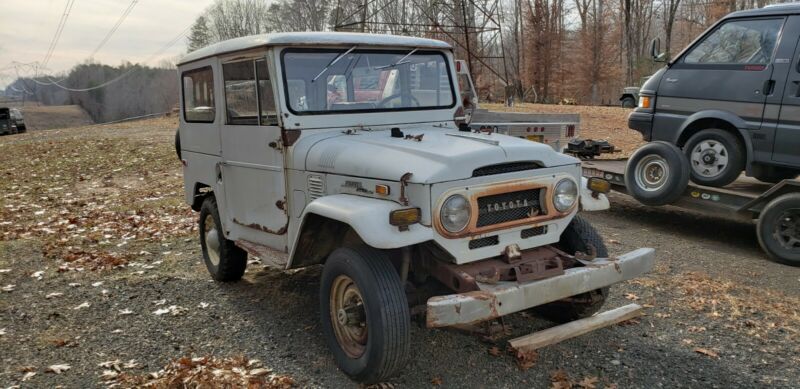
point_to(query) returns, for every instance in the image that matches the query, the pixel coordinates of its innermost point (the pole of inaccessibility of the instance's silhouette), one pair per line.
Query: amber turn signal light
(644, 101)
(404, 217)
(598, 185)
(382, 190)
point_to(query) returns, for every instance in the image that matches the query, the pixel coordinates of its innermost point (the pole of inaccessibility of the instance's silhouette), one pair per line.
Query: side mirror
(655, 50)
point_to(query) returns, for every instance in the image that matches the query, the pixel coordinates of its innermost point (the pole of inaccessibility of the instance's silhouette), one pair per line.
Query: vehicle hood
(441, 155)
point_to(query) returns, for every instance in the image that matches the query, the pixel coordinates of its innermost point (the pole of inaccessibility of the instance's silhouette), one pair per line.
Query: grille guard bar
(503, 298)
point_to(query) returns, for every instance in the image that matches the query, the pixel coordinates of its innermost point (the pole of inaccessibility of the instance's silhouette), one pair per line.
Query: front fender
(368, 217)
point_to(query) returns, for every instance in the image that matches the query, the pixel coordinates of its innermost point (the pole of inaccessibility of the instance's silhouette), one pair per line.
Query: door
(252, 171)
(787, 135)
(728, 70)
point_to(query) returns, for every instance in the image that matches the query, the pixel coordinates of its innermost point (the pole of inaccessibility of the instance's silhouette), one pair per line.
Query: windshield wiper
(400, 62)
(335, 60)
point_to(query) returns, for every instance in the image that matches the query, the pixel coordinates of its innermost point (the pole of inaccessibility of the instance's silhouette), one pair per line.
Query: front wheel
(579, 236)
(364, 313)
(779, 229)
(716, 157)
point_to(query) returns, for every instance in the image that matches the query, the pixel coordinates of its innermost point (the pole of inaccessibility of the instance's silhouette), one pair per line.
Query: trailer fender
(759, 203)
(592, 201)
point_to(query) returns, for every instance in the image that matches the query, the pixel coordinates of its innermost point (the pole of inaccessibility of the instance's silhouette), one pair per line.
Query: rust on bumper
(503, 298)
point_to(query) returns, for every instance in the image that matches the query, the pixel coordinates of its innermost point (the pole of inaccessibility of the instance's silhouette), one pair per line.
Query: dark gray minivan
(731, 99)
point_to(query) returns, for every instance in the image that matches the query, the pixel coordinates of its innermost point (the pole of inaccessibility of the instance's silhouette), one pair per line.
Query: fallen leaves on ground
(707, 352)
(559, 379)
(494, 351)
(525, 359)
(58, 369)
(436, 381)
(205, 372)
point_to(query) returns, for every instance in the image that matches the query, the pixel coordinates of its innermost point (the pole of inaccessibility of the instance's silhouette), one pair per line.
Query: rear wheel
(779, 229)
(364, 314)
(579, 236)
(716, 157)
(224, 260)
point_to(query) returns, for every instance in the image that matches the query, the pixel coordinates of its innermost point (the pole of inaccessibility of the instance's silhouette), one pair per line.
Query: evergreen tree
(200, 36)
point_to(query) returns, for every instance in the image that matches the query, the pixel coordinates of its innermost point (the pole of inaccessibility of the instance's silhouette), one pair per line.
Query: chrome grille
(316, 187)
(511, 206)
(505, 168)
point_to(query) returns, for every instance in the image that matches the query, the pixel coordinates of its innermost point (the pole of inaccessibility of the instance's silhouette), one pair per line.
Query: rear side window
(738, 42)
(198, 96)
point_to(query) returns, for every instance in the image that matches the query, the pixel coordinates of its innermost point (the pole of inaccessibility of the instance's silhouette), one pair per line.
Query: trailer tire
(224, 260)
(366, 288)
(778, 229)
(579, 236)
(657, 174)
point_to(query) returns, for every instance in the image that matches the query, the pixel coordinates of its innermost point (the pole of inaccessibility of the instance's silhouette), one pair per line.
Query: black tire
(731, 148)
(227, 262)
(778, 228)
(657, 174)
(628, 102)
(385, 314)
(577, 237)
(22, 129)
(774, 175)
(178, 143)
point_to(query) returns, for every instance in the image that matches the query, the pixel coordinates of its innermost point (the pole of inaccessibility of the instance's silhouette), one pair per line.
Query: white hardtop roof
(311, 39)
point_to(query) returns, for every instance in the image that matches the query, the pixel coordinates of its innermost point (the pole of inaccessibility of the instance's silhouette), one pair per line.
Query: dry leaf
(125, 311)
(85, 304)
(53, 294)
(560, 380)
(525, 359)
(2, 331)
(588, 383)
(706, 351)
(58, 369)
(436, 381)
(494, 351)
(5, 271)
(8, 288)
(631, 296)
(28, 376)
(260, 371)
(38, 275)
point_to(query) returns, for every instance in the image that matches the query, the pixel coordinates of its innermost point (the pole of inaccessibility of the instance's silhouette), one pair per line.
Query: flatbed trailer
(746, 199)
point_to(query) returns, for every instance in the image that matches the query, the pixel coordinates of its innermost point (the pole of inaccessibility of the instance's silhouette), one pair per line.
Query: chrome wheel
(652, 173)
(709, 158)
(348, 316)
(212, 240)
(787, 230)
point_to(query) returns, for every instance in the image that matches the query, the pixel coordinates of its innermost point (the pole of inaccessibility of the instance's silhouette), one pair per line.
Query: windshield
(327, 81)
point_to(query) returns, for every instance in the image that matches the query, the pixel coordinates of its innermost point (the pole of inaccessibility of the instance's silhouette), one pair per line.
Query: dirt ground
(101, 283)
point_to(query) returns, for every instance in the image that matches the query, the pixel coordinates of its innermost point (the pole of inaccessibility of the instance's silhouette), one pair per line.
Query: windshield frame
(398, 51)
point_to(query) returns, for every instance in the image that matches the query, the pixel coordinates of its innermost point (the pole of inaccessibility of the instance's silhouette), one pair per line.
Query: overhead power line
(60, 29)
(114, 29)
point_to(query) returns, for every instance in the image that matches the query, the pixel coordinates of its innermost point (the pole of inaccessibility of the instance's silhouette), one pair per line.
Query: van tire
(178, 143)
(732, 149)
(224, 260)
(657, 174)
(772, 237)
(367, 273)
(579, 236)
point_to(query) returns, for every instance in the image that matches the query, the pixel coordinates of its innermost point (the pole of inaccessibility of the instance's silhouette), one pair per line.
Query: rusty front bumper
(503, 298)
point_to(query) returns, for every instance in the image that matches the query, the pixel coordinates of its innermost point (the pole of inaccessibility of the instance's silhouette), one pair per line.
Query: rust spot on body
(261, 228)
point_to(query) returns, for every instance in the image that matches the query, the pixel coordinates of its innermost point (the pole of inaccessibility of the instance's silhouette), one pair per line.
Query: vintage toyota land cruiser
(349, 151)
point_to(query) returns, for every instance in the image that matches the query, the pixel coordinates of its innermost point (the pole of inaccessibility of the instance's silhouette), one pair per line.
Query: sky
(28, 26)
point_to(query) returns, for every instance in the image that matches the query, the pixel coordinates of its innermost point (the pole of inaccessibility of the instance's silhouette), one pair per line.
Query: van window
(738, 42)
(198, 96)
(241, 99)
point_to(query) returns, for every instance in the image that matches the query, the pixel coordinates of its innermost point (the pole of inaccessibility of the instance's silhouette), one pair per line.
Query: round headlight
(455, 213)
(565, 195)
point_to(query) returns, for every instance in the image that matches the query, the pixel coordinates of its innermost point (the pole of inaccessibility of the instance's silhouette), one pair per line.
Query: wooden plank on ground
(575, 328)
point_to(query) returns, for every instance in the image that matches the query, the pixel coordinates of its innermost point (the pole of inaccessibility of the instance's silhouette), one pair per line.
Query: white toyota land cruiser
(348, 151)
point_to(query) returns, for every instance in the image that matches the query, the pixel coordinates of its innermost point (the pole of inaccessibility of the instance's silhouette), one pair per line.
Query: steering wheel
(383, 102)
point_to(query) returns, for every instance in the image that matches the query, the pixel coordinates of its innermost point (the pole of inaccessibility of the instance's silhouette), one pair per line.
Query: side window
(269, 116)
(738, 42)
(241, 99)
(198, 96)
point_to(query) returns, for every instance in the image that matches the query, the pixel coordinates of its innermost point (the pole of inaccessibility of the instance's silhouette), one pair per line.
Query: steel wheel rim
(212, 240)
(787, 230)
(652, 173)
(348, 316)
(709, 158)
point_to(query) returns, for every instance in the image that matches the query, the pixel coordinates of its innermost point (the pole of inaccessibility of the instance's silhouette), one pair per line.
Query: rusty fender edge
(503, 298)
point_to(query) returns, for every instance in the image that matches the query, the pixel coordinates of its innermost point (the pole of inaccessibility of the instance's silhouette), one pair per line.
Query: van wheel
(224, 260)
(178, 143)
(779, 229)
(716, 157)
(577, 237)
(628, 102)
(657, 174)
(364, 314)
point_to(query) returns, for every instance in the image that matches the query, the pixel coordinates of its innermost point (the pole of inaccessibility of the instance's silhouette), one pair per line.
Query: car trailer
(774, 207)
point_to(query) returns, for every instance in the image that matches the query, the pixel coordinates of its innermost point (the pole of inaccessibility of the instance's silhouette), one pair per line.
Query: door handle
(769, 87)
